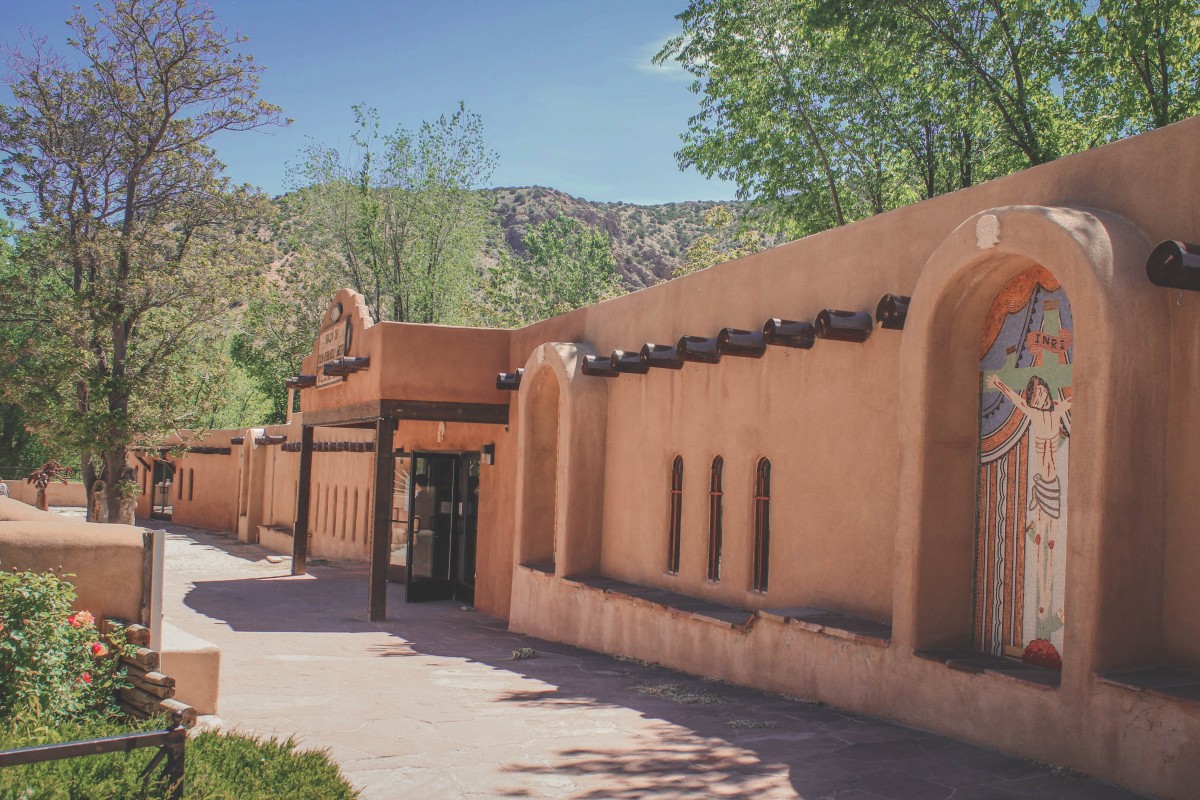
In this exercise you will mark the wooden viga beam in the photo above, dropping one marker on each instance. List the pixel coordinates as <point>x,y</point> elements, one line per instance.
<point>736,342</point>
<point>270,440</point>
<point>892,311</point>
<point>789,333</point>
<point>598,367</point>
<point>844,326</point>
<point>1174,265</point>
<point>628,361</point>
<point>698,349</point>
<point>660,356</point>
<point>345,365</point>
<point>301,382</point>
<point>510,381</point>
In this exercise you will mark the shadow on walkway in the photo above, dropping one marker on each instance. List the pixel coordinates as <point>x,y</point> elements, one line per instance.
<point>719,740</point>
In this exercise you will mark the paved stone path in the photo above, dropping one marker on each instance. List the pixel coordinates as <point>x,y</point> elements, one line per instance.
<point>431,704</point>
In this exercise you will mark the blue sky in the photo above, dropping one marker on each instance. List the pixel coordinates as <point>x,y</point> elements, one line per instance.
<point>565,88</point>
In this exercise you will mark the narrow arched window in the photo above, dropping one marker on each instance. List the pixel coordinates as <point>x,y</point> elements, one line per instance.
<point>715,511</point>
<point>762,524</point>
<point>673,533</point>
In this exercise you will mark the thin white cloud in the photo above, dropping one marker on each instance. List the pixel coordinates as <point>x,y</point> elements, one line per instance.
<point>643,61</point>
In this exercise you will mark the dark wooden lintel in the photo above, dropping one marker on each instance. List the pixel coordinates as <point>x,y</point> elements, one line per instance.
<point>367,414</point>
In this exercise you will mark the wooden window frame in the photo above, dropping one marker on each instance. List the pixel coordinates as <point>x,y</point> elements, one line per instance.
<point>762,524</point>
<point>716,513</point>
<point>674,531</point>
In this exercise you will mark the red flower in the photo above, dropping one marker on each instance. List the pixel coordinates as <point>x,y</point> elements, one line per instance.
<point>1041,653</point>
<point>84,678</point>
<point>99,650</point>
<point>1050,544</point>
<point>82,619</point>
<point>1037,539</point>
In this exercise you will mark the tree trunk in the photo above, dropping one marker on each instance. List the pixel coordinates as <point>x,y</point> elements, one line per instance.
<point>115,462</point>
<point>87,473</point>
<point>41,499</point>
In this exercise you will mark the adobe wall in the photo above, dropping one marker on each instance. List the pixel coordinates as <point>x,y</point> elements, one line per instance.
<point>874,457</point>
<point>70,494</point>
<point>109,565</point>
<point>874,452</point>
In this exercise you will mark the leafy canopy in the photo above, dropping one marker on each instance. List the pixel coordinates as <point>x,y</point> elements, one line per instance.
<point>133,241</point>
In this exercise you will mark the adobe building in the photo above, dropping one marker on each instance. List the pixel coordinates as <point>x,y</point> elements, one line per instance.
<point>935,466</point>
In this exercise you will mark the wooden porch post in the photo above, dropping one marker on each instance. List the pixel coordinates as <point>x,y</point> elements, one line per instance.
<point>303,493</point>
<point>381,524</point>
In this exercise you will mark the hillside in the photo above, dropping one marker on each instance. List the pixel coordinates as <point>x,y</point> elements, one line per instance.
<point>648,241</point>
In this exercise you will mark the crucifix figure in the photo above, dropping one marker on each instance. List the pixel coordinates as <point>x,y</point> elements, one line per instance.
<point>1047,427</point>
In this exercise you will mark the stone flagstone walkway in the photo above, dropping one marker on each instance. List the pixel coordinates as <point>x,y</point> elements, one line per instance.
<point>431,704</point>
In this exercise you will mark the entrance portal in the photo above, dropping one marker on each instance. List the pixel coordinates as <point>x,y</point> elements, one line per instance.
<point>164,479</point>
<point>443,514</point>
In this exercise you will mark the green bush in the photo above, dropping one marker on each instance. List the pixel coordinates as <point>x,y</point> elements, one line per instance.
<point>218,766</point>
<point>54,663</point>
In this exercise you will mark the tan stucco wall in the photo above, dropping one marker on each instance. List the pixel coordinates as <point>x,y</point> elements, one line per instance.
<point>432,363</point>
<point>873,449</point>
<point>57,494</point>
<point>874,452</point>
<point>205,492</point>
<point>107,564</point>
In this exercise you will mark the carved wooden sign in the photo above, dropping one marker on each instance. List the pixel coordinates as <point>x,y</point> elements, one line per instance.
<point>332,342</point>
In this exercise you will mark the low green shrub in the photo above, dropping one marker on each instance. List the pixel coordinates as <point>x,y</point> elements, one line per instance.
<point>218,766</point>
<point>54,663</point>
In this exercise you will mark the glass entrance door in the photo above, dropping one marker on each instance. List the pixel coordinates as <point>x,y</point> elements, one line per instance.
<point>432,503</point>
<point>466,527</point>
<point>443,503</point>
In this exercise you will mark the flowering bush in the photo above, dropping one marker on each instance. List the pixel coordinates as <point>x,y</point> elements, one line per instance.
<point>54,663</point>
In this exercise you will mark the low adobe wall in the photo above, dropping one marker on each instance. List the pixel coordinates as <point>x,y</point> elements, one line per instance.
<point>57,494</point>
<point>1133,738</point>
<point>116,569</point>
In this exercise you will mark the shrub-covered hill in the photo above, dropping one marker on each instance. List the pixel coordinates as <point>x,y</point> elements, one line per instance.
<point>649,242</point>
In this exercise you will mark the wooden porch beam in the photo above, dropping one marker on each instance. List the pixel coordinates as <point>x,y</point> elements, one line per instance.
<point>381,524</point>
<point>303,494</point>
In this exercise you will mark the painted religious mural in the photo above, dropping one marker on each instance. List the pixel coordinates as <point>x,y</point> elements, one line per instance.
<point>1025,427</point>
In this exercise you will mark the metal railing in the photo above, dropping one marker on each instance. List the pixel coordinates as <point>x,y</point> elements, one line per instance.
<point>171,743</point>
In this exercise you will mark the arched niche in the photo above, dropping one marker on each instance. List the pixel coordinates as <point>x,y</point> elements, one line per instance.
<point>560,473</point>
<point>1113,586</point>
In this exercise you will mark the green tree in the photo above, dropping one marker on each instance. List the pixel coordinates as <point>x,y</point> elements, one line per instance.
<point>1136,64</point>
<point>134,242</point>
<point>826,111</point>
<point>401,215</point>
<point>726,243</point>
<point>567,265</point>
<point>280,324</point>
<point>20,451</point>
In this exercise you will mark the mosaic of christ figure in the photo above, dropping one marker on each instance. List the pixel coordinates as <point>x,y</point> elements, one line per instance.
<point>1020,570</point>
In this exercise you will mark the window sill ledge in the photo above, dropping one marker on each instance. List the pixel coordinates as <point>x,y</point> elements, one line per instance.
<point>833,623</point>
<point>1166,682</point>
<point>694,607</point>
<point>977,663</point>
